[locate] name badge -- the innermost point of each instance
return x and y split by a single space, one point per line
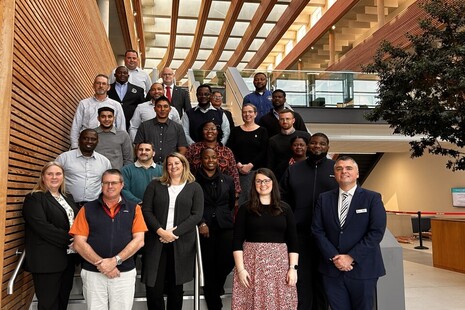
361 211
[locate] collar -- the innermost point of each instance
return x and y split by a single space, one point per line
79 154
119 84
210 107
291 131
156 122
95 99
350 191
285 106
139 165
100 130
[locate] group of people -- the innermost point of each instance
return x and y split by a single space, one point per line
292 224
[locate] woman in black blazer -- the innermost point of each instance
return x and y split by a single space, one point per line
173 206
48 214
216 227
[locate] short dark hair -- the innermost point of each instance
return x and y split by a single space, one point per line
218 130
305 138
320 134
258 73
162 98
279 91
205 86
87 130
131 51
105 109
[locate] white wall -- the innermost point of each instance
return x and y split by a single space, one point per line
420 184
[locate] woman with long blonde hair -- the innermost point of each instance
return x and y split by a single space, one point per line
48 215
172 207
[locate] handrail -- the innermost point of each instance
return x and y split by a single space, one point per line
12 280
198 278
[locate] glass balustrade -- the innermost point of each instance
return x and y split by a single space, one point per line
310 88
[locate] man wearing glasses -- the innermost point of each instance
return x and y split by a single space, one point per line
107 233
178 97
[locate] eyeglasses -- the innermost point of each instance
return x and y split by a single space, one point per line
210 129
264 181
217 97
111 183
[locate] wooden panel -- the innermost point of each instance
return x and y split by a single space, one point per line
448 243
57 50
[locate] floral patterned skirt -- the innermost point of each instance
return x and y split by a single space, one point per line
267 265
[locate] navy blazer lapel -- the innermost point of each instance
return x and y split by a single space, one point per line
334 213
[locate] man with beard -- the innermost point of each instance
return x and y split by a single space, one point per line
279 145
271 119
87 110
114 144
84 168
261 97
139 174
301 185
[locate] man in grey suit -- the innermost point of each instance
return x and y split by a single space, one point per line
348 226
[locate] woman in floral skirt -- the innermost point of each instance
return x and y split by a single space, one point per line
265 249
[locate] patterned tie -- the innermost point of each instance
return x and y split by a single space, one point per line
344 208
168 92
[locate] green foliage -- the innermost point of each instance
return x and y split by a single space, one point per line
422 89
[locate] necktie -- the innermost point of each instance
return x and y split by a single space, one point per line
168 92
344 208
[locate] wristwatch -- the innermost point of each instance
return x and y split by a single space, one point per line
295 267
119 261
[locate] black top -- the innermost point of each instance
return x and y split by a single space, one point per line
249 146
266 228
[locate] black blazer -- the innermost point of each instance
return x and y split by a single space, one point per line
133 97
47 228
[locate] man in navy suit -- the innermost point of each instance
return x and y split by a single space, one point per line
129 95
348 226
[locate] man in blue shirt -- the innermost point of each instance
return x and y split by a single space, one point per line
261 97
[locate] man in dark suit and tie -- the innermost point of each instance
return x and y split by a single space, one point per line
129 95
348 226
178 97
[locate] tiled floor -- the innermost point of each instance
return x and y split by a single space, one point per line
427 287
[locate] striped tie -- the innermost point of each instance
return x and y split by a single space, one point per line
344 208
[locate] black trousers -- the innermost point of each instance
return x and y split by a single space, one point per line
310 290
166 281
217 262
53 289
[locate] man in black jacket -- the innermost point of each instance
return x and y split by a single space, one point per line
301 185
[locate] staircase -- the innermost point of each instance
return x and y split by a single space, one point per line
77 302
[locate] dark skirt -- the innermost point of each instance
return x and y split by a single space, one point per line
267 265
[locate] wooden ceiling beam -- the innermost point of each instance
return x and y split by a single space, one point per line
259 17
168 57
224 34
329 18
199 30
285 21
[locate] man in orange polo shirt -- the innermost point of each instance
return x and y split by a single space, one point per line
107 233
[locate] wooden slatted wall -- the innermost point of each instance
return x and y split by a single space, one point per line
59 47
